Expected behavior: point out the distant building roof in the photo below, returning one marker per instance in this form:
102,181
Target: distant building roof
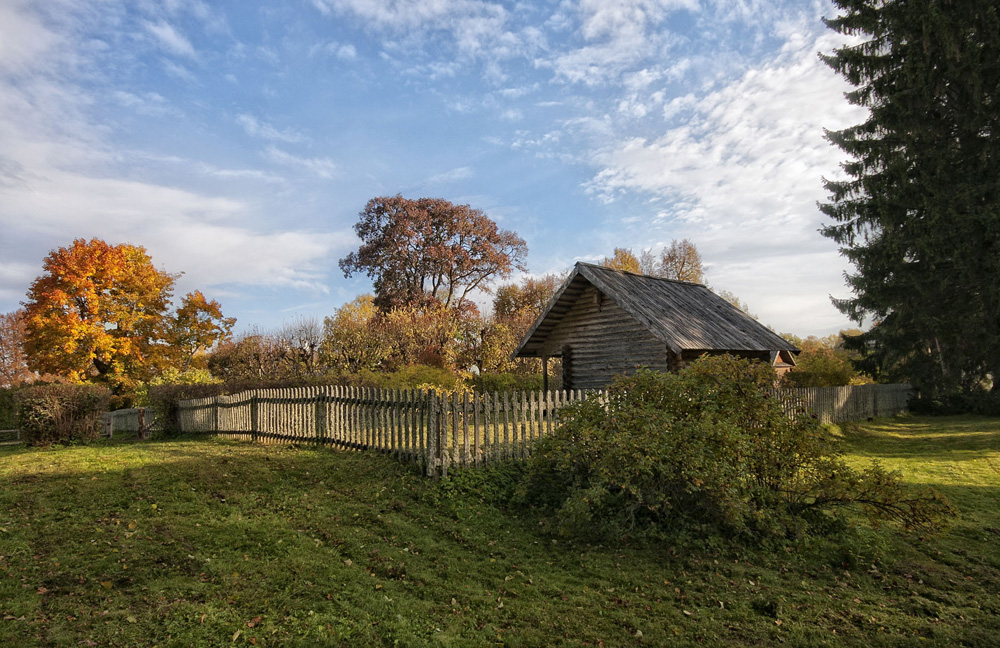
684,316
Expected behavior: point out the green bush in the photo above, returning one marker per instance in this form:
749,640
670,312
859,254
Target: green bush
413,377
706,449
8,408
977,401
509,382
61,413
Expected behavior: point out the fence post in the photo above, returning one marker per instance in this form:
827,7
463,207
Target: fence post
254,416
434,425
320,406
142,423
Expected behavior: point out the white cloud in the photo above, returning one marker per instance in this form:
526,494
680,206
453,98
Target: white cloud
454,175
149,103
321,167
62,177
178,71
257,128
740,169
23,42
472,29
171,40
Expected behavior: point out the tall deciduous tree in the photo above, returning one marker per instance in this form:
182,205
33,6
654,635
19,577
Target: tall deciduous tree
918,215
102,312
681,261
197,327
515,309
13,363
623,259
428,249
352,340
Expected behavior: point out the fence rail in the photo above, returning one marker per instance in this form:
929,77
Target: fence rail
847,403
436,431
443,431
139,420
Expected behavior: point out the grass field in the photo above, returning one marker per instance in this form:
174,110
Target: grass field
200,542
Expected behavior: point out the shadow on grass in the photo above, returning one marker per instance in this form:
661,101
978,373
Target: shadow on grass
952,438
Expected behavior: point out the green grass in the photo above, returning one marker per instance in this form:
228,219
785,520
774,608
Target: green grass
201,542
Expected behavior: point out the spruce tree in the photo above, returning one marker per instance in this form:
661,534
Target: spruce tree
918,212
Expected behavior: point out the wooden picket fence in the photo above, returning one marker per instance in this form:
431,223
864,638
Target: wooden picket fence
846,403
139,420
441,431
437,431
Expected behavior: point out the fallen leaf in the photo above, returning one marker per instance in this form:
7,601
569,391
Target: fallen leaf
106,584
236,635
254,621
131,619
686,613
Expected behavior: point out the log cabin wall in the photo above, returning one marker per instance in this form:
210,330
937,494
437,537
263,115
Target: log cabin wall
603,341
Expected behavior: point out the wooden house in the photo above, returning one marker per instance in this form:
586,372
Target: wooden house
604,322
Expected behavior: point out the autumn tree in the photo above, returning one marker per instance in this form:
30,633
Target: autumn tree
623,259
198,326
101,312
916,213
252,356
300,341
735,300
13,363
825,361
352,339
515,309
681,261
424,250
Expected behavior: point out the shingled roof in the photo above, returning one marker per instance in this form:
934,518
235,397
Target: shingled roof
684,316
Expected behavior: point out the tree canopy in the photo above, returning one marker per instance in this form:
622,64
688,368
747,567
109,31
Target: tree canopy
101,312
13,363
418,251
623,259
918,214
681,261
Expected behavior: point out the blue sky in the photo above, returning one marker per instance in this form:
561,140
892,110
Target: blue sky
237,141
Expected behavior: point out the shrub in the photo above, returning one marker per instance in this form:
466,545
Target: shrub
8,408
706,448
61,413
976,401
419,377
508,382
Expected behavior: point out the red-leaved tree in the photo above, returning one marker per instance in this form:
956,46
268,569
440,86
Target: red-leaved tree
430,250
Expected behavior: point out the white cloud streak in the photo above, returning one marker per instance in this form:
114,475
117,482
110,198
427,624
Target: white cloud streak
257,128
170,39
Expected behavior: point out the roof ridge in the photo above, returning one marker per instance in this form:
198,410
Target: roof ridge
605,268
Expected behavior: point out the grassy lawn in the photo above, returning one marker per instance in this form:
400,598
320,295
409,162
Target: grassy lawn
203,542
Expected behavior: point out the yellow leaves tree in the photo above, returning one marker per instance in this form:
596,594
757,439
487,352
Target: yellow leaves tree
101,313
681,262
623,259
351,341
197,327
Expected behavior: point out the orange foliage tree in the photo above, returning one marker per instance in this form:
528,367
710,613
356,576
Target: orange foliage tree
197,326
101,313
